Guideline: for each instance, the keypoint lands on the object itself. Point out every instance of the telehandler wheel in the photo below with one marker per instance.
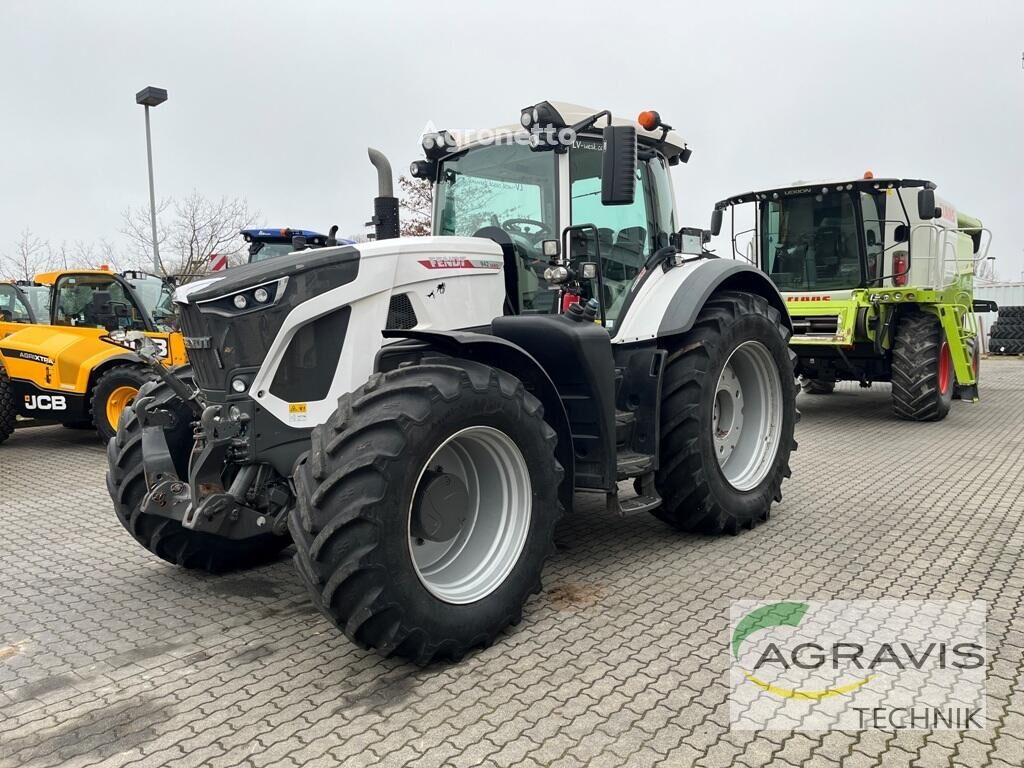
(974, 354)
(728, 412)
(922, 369)
(8, 407)
(113, 393)
(817, 386)
(166, 538)
(426, 508)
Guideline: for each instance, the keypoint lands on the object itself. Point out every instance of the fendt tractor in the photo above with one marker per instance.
(878, 276)
(418, 412)
(65, 372)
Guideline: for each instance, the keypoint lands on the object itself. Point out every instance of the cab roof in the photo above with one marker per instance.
(673, 143)
(829, 185)
(49, 278)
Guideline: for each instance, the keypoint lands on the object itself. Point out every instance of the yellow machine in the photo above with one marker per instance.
(68, 371)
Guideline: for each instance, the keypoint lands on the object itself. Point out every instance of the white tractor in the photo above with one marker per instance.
(417, 414)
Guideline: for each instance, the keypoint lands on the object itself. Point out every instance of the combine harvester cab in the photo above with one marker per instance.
(22, 303)
(67, 372)
(878, 277)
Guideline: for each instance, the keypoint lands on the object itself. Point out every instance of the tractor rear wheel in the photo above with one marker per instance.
(113, 393)
(922, 369)
(728, 413)
(8, 406)
(426, 508)
(166, 538)
(817, 386)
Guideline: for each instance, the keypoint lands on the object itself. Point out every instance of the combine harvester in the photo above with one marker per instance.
(878, 276)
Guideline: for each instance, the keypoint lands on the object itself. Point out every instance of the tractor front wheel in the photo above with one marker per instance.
(426, 508)
(922, 369)
(728, 413)
(166, 538)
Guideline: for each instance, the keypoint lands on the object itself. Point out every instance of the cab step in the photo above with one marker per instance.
(644, 501)
(633, 464)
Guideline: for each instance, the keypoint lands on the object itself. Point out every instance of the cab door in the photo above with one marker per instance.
(14, 312)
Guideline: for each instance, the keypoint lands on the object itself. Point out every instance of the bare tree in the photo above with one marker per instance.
(417, 204)
(188, 231)
(29, 256)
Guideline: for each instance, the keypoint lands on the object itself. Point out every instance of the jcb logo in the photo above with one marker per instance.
(46, 402)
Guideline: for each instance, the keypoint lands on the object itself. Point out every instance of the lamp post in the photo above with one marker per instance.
(151, 97)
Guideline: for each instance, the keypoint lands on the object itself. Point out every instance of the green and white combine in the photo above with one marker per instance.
(878, 276)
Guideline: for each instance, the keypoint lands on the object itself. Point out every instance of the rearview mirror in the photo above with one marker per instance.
(900, 234)
(871, 239)
(618, 169)
(716, 222)
(926, 204)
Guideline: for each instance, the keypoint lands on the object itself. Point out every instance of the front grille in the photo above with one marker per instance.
(401, 315)
(816, 325)
(201, 354)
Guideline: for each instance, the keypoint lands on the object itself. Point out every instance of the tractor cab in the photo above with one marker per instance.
(267, 242)
(567, 187)
(141, 301)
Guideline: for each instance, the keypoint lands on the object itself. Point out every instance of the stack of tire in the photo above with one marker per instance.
(1007, 334)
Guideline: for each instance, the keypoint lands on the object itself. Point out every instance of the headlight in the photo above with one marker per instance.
(240, 301)
(261, 295)
(238, 385)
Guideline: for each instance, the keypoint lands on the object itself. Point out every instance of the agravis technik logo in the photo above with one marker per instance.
(804, 665)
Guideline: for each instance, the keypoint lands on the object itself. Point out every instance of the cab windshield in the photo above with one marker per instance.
(157, 297)
(812, 242)
(39, 297)
(510, 187)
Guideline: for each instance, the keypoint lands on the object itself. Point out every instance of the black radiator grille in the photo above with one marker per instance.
(200, 348)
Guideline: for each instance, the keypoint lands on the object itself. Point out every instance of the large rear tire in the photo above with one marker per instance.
(8, 406)
(166, 538)
(728, 413)
(392, 568)
(922, 369)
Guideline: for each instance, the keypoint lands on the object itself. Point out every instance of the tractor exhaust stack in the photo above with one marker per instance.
(385, 205)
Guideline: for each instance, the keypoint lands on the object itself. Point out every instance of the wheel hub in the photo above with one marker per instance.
(747, 415)
(440, 508)
(470, 515)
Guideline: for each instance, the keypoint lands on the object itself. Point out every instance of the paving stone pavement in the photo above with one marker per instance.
(109, 657)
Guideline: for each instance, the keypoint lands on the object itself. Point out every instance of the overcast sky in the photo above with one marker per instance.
(277, 102)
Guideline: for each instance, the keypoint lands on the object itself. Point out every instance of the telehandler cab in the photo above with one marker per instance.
(419, 412)
(878, 275)
(58, 367)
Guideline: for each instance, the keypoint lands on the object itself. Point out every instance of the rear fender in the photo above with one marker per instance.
(668, 302)
(497, 353)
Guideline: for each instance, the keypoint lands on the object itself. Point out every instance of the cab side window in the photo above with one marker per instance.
(12, 308)
(74, 303)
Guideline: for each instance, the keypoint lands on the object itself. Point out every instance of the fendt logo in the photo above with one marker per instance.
(46, 403)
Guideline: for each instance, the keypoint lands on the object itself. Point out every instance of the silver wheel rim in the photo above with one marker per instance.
(747, 417)
(496, 520)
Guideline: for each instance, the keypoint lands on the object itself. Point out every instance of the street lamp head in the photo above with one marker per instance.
(151, 96)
